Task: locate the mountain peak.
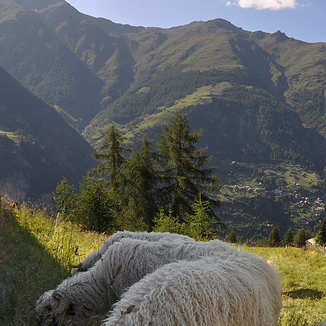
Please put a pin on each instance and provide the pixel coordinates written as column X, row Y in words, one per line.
column 280, row 36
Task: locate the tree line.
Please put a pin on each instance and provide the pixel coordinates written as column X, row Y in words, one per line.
column 298, row 240
column 169, row 188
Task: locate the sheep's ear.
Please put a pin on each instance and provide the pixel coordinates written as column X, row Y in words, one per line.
column 60, row 303
column 56, row 296
column 71, row 310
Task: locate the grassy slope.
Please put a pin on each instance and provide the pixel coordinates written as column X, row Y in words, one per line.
column 35, row 256
column 302, row 276
column 36, row 252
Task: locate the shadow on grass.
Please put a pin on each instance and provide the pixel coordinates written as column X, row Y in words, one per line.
column 27, row 270
column 304, row 294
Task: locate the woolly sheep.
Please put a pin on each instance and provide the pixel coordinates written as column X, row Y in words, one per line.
column 86, row 295
column 91, row 259
column 240, row 290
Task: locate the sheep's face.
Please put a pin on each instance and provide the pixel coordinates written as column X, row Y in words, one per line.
column 54, row 308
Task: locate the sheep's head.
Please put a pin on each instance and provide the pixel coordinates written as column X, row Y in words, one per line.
column 55, row 308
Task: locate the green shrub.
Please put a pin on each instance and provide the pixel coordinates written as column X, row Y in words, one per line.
column 168, row 223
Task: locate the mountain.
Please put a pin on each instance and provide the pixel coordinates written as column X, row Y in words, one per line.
column 241, row 73
column 258, row 97
column 34, row 55
column 37, row 147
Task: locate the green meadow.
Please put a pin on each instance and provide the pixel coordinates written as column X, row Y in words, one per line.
column 37, row 249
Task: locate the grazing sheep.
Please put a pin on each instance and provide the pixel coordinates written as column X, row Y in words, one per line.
column 91, row 259
column 240, row 290
column 79, row 298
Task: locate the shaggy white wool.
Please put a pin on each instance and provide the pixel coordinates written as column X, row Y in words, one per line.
column 240, row 290
column 88, row 294
column 92, row 258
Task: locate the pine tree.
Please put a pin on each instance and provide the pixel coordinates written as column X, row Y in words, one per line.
column 301, row 237
column 232, row 238
column 321, row 235
column 200, row 224
column 95, row 209
column 274, row 238
column 65, row 198
column 288, row 239
column 184, row 169
column 139, row 206
column 111, row 157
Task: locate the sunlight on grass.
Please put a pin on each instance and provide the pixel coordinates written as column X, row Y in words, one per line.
column 302, row 274
column 66, row 242
column 36, row 254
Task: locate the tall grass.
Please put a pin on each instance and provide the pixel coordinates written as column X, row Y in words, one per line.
column 36, row 254
column 302, row 273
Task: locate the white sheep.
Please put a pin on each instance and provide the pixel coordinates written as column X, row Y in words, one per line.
column 91, row 259
column 240, row 290
column 90, row 294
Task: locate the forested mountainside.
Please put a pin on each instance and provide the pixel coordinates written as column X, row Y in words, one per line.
column 258, row 97
column 37, row 147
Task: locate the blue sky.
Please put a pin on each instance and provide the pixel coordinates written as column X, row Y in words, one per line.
column 302, row 19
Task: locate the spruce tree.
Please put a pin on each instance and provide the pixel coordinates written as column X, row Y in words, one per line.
column 200, row 224
column 65, row 198
column 95, row 209
column 184, row 169
column 139, row 206
column 232, row 238
column 274, row 238
column 288, row 239
column 321, row 235
column 111, row 157
column 301, row 237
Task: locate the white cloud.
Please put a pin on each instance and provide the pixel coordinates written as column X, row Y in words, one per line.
column 264, row 4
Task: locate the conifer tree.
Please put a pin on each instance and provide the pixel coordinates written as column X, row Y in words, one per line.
column 321, row 234
column 301, row 237
column 95, row 209
column 200, row 224
column 232, row 238
column 140, row 204
column 274, row 238
column 288, row 239
column 65, row 198
column 111, row 157
column 184, row 169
